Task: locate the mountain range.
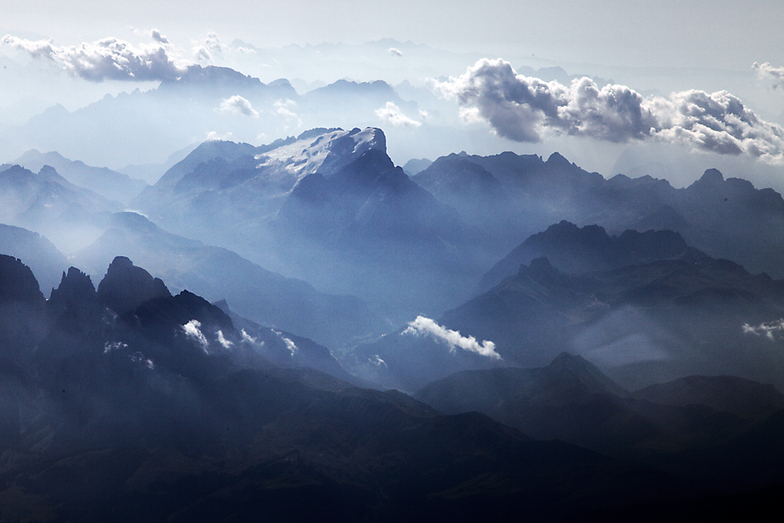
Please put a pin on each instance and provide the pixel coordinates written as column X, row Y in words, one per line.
column 567, row 346
column 165, row 410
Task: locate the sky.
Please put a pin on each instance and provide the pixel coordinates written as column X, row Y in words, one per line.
column 653, row 47
column 663, row 33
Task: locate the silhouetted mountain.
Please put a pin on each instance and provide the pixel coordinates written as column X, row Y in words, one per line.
column 126, row 286
column 110, row 184
column 744, row 398
column 590, row 249
column 165, row 412
column 570, row 399
column 21, row 312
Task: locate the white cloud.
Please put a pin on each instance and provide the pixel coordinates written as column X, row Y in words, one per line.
column 392, row 115
column 114, row 345
column 226, row 344
column 237, row 105
column 768, row 329
column 284, row 108
column 209, row 48
column 107, row 59
column 158, row 37
column 395, row 51
column 425, row 326
column 290, row 345
column 247, row 337
column 770, row 73
column 192, row 329
column 523, row 108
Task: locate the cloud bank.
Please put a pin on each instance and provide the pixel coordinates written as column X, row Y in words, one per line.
column 523, row 108
column 237, row 105
column 426, row 326
column 392, row 115
column 107, row 59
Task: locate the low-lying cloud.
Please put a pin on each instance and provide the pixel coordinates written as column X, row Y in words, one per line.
column 769, row 330
column 237, row 105
column 392, row 114
column 425, row 326
column 523, row 108
column 290, row 345
column 107, row 59
column 395, row 51
column 192, row 330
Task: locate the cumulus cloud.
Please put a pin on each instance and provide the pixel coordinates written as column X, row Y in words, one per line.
column 158, row 37
column 107, row 59
column 770, row 73
column 395, row 51
column 392, row 115
column 769, row 330
column 427, row 327
column 523, row 108
column 192, row 330
column 237, row 105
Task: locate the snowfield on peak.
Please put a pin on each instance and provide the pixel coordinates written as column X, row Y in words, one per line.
column 324, row 153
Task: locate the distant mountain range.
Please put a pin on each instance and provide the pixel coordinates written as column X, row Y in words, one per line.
column 144, row 127
column 508, row 197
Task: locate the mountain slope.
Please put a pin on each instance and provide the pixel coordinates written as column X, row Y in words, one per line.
column 263, row 296
column 112, row 185
column 165, row 412
column 590, row 249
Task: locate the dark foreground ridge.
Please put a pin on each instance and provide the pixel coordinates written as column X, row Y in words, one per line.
column 167, row 412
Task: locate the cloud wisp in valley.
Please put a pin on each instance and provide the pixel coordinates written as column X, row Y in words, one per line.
column 523, row 109
column 426, row 327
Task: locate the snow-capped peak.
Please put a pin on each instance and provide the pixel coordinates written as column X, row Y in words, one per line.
column 325, row 153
